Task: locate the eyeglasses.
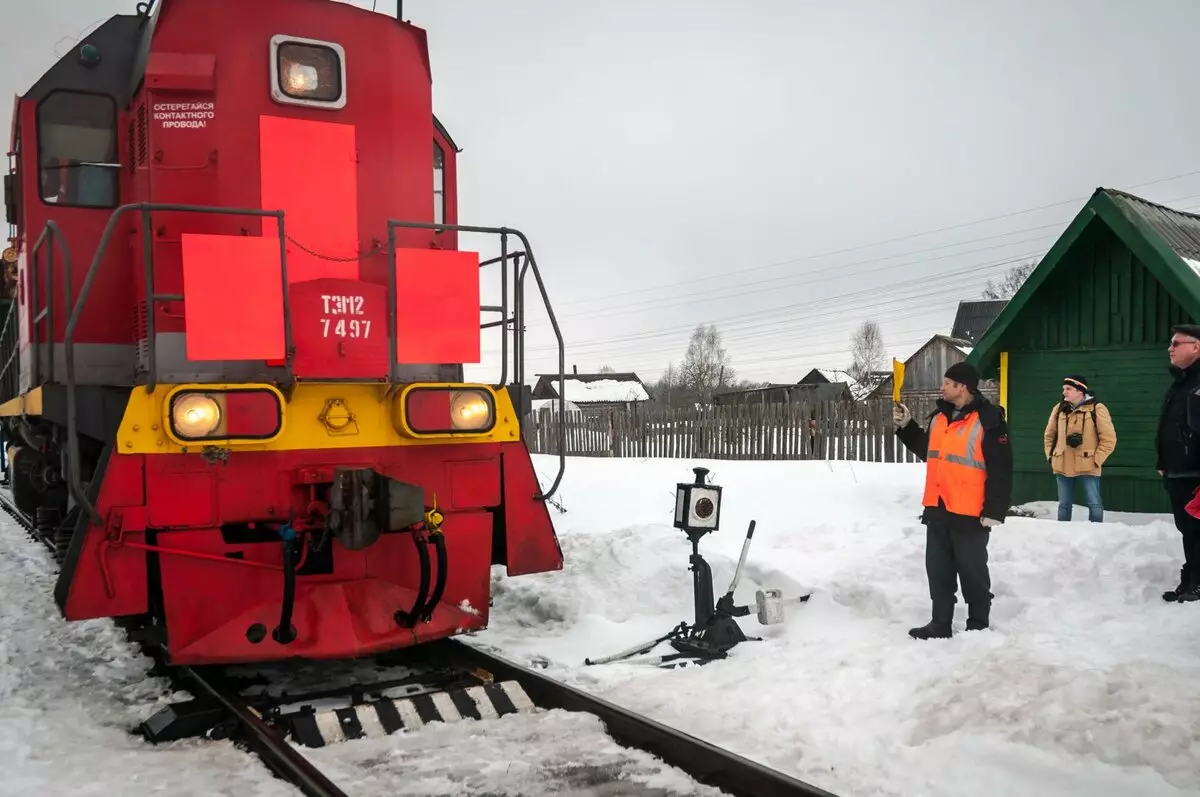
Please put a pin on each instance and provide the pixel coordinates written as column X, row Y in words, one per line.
column 1174, row 344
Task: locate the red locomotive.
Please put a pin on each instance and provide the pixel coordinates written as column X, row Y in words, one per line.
column 235, row 395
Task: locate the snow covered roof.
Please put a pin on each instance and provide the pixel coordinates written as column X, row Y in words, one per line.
column 607, row 388
column 862, row 389
column 965, row 346
column 582, row 392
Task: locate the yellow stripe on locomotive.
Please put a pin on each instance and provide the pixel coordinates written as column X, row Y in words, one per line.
column 180, row 419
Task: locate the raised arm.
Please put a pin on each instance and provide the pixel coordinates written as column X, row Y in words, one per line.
column 914, row 438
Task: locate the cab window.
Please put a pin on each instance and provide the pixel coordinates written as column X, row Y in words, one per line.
column 12, row 188
column 77, row 149
column 439, row 184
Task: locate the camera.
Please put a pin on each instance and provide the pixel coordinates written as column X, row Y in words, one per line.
column 1075, row 439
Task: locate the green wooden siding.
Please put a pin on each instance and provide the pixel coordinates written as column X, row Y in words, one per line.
column 1101, row 295
column 1101, row 314
column 1129, row 381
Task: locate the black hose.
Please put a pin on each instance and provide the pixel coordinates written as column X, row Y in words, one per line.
column 409, row 619
column 286, row 633
column 439, row 543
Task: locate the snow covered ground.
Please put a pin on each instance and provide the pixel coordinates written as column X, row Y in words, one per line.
column 1087, row 684
column 71, row 693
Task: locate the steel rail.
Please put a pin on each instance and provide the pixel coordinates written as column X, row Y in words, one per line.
column 280, row 757
column 707, row 763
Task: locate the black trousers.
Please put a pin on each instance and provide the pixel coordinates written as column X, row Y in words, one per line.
column 1180, row 492
column 957, row 552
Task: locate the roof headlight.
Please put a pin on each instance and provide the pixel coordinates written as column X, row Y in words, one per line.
column 308, row 72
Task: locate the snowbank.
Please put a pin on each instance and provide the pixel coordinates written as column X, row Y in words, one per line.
column 70, row 693
column 1087, row 684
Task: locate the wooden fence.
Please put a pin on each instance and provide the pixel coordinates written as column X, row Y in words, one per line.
column 859, row 431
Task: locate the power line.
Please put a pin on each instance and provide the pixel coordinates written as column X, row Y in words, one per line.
column 802, row 281
column 898, row 239
column 921, row 282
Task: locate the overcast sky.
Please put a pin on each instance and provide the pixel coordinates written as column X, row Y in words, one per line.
column 782, row 168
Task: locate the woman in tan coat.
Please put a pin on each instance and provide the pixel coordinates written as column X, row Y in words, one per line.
column 1079, row 437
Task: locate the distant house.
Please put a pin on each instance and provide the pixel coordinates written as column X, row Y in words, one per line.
column 1100, row 303
column 973, row 319
column 593, row 391
column 785, row 394
column 926, row 367
column 824, row 376
column 856, row 389
column 869, row 386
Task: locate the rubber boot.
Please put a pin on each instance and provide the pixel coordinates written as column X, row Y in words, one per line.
column 932, row 630
column 1173, row 595
column 977, row 618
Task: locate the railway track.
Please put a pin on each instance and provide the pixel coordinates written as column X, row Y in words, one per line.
column 443, row 681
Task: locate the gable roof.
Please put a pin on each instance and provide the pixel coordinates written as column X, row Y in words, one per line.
column 597, row 388
column 964, row 346
column 973, row 318
column 1165, row 240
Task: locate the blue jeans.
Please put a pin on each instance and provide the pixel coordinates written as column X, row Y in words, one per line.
column 1091, row 496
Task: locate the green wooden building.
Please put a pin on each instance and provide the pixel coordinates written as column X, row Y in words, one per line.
column 1101, row 303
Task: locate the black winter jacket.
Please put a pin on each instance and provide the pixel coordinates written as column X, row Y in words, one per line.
column 1178, row 441
column 997, row 491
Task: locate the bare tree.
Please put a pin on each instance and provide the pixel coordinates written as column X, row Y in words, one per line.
column 606, row 369
column 866, row 348
column 1012, row 281
column 706, row 364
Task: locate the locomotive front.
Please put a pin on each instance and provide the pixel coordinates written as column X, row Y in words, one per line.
column 278, row 457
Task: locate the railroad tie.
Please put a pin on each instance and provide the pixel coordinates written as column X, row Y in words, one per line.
column 380, row 718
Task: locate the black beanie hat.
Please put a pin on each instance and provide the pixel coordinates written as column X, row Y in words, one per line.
column 964, row 374
column 1078, row 382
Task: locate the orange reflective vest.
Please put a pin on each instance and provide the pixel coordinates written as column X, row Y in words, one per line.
column 955, row 472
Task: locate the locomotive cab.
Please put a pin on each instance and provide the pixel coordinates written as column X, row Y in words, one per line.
column 235, row 399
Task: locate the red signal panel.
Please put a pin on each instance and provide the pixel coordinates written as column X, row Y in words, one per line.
column 437, row 319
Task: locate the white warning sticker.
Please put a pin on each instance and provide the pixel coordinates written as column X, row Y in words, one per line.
column 184, row 115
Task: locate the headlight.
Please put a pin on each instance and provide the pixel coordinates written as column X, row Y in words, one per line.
column 308, row 72
column 195, row 415
column 443, row 411
column 470, row 410
column 224, row 414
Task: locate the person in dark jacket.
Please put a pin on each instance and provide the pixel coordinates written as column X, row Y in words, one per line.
column 1178, row 451
column 968, row 487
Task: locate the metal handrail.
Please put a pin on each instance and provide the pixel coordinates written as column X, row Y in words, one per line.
column 502, row 309
column 75, row 481
column 505, row 320
column 10, row 338
column 50, row 232
column 530, row 261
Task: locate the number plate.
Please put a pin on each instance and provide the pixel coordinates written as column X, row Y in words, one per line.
column 340, row 329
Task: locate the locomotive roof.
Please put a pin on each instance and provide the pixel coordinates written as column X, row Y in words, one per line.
column 118, row 40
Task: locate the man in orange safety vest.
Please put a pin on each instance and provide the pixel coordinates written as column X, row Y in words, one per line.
column 968, row 486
